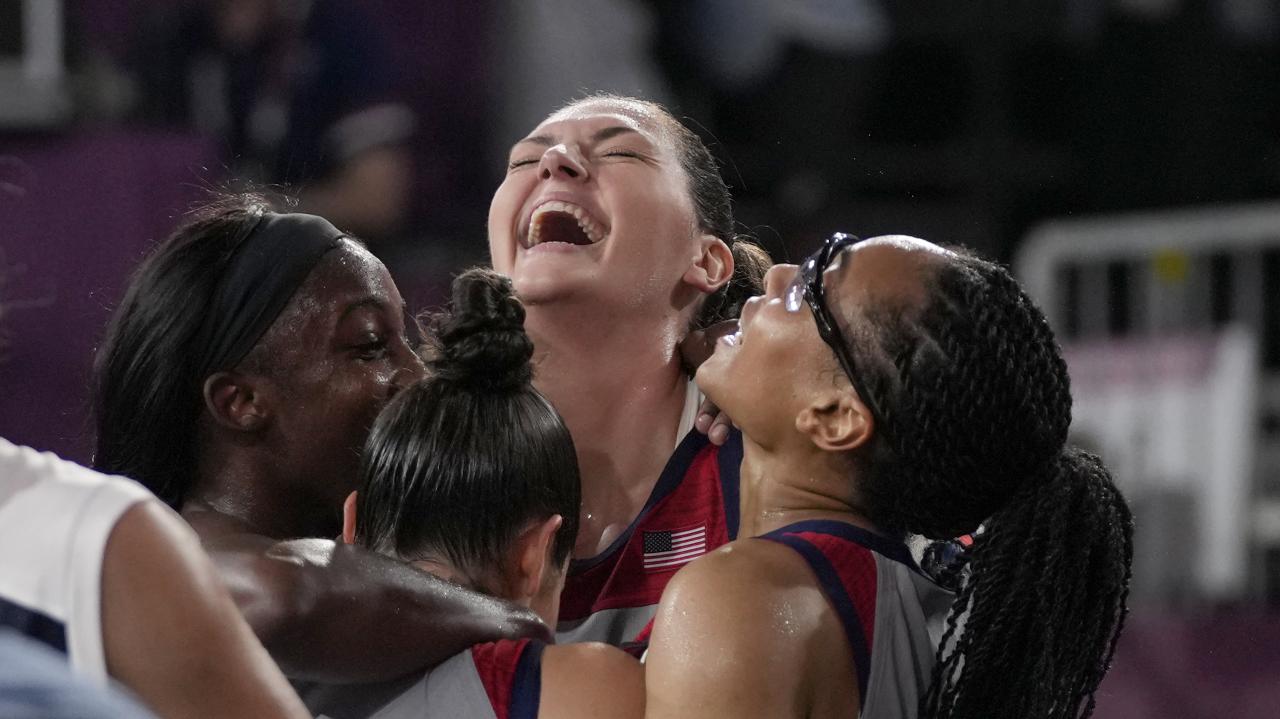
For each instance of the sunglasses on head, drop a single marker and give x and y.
(806, 288)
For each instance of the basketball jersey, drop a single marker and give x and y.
(893, 615)
(55, 519)
(692, 510)
(497, 680)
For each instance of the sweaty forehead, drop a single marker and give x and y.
(346, 271)
(595, 114)
(345, 275)
(890, 270)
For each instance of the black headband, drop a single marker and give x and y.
(267, 267)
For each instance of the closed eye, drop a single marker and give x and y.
(373, 350)
(515, 164)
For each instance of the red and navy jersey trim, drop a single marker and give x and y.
(729, 460)
(33, 624)
(878, 543)
(672, 474)
(851, 589)
(698, 487)
(511, 672)
(526, 687)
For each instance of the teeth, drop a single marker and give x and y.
(586, 222)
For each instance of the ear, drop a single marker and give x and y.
(235, 401)
(349, 519)
(836, 421)
(712, 267)
(533, 558)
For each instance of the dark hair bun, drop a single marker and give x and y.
(481, 343)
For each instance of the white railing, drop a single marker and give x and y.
(1128, 283)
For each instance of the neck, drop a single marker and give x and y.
(244, 485)
(784, 486)
(620, 387)
(488, 581)
(443, 569)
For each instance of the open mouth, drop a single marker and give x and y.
(563, 222)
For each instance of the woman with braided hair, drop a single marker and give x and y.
(889, 387)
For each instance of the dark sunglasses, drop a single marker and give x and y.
(806, 287)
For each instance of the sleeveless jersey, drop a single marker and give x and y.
(55, 519)
(693, 509)
(892, 614)
(497, 680)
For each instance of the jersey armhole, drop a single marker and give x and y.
(511, 673)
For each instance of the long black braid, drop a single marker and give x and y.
(975, 404)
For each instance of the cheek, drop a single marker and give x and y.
(660, 233)
(354, 402)
(502, 221)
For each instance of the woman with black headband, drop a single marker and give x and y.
(238, 380)
(884, 388)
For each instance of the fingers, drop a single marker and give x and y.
(707, 412)
(719, 432)
(712, 422)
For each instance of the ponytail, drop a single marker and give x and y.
(1044, 603)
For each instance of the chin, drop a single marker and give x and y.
(537, 289)
(542, 283)
(711, 381)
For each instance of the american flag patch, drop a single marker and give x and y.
(670, 548)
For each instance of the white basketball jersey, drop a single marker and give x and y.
(55, 518)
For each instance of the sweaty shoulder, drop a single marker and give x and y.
(735, 635)
(590, 679)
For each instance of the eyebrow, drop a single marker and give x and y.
(607, 133)
(370, 301)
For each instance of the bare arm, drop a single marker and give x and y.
(340, 614)
(582, 681)
(732, 638)
(172, 634)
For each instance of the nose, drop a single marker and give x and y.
(409, 368)
(560, 162)
(778, 278)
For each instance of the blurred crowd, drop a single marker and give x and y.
(969, 122)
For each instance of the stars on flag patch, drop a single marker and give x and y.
(668, 549)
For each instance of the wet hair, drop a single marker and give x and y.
(147, 397)
(975, 404)
(714, 210)
(460, 463)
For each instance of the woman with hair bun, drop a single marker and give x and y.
(889, 387)
(471, 475)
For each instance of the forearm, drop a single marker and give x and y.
(338, 614)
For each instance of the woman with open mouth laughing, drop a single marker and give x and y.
(615, 225)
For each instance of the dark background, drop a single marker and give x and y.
(962, 122)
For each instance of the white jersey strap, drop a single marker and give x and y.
(692, 400)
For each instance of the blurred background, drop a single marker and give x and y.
(1122, 155)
